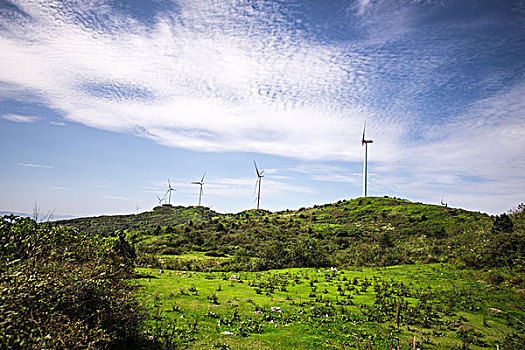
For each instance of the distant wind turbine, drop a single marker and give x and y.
(170, 189)
(442, 202)
(161, 199)
(365, 168)
(201, 182)
(258, 183)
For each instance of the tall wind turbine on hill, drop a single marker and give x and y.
(170, 189)
(258, 183)
(365, 143)
(201, 182)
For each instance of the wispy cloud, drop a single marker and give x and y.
(442, 97)
(318, 172)
(120, 198)
(229, 187)
(30, 165)
(17, 118)
(59, 188)
(246, 84)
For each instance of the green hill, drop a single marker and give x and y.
(458, 283)
(165, 215)
(372, 231)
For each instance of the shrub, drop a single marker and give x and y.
(61, 289)
(502, 223)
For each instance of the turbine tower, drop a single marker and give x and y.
(170, 189)
(258, 183)
(201, 182)
(365, 143)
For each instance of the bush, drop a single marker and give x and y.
(61, 289)
(502, 223)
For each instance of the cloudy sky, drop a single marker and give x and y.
(102, 101)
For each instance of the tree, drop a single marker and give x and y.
(502, 223)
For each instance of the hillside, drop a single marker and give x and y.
(165, 215)
(370, 231)
(329, 278)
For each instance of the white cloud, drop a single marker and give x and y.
(30, 165)
(238, 86)
(120, 198)
(479, 163)
(20, 118)
(59, 188)
(229, 76)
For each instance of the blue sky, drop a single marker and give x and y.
(102, 101)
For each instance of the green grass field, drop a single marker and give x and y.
(438, 306)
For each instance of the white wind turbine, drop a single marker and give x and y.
(443, 203)
(365, 143)
(258, 183)
(161, 199)
(170, 189)
(200, 183)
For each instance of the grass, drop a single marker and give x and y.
(326, 309)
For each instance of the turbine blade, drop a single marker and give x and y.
(202, 180)
(363, 138)
(256, 169)
(196, 183)
(169, 184)
(359, 159)
(256, 183)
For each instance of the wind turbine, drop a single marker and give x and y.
(170, 189)
(201, 182)
(161, 199)
(365, 143)
(258, 183)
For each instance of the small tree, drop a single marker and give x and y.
(502, 223)
(125, 249)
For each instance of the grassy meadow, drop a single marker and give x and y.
(431, 306)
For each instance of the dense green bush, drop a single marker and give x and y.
(502, 223)
(60, 289)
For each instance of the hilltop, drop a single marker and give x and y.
(349, 213)
(374, 231)
(160, 216)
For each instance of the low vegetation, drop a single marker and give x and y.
(161, 216)
(359, 232)
(368, 273)
(62, 289)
